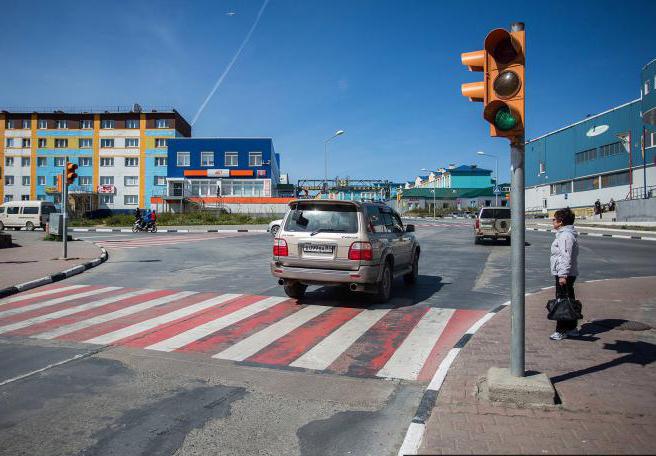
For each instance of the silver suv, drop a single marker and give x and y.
(492, 223)
(360, 245)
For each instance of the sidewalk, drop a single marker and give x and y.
(606, 381)
(32, 259)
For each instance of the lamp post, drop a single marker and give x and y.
(325, 153)
(434, 190)
(496, 176)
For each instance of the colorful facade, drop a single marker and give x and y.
(464, 176)
(121, 154)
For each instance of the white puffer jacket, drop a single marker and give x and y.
(565, 253)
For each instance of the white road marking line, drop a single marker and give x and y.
(55, 301)
(328, 350)
(440, 374)
(69, 311)
(193, 334)
(253, 344)
(408, 360)
(412, 440)
(137, 328)
(476, 326)
(38, 294)
(132, 309)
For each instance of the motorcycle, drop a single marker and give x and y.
(139, 225)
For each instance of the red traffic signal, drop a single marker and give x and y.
(71, 175)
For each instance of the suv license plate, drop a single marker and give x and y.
(318, 248)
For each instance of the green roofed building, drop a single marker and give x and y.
(447, 198)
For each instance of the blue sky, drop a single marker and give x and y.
(386, 72)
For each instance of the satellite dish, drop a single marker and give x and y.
(597, 130)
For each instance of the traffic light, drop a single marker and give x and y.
(503, 64)
(71, 175)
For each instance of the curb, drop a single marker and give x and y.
(126, 230)
(618, 236)
(4, 292)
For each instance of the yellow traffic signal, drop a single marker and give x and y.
(71, 175)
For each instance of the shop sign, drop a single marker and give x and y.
(218, 173)
(106, 188)
(261, 173)
(51, 189)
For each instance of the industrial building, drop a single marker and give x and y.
(121, 154)
(610, 155)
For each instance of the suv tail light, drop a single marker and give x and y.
(280, 247)
(361, 251)
(477, 225)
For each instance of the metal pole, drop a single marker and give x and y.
(434, 199)
(517, 348)
(325, 161)
(496, 194)
(64, 213)
(644, 164)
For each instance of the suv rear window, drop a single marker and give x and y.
(495, 214)
(30, 210)
(329, 218)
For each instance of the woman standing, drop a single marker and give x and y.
(564, 266)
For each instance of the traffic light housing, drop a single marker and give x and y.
(71, 175)
(503, 63)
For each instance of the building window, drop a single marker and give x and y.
(561, 188)
(85, 180)
(27, 124)
(204, 187)
(131, 142)
(43, 143)
(41, 197)
(25, 197)
(106, 180)
(25, 162)
(107, 142)
(162, 123)
(131, 123)
(85, 143)
(10, 124)
(85, 124)
(131, 162)
(650, 139)
(183, 159)
(27, 142)
(107, 123)
(40, 180)
(106, 199)
(9, 180)
(9, 161)
(646, 87)
(61, 143)
(543, 169)
(60, 162)
(231, 159)
(207, 159)
(85, 161)
(160, 180)
(611, 149)
(41, 161)
(161, 161)
(242, 187)
(160, 142)
(55, 179)
(586, 155)
(43, 124)
(9, 142)
(62, 124)
(131, 181)
(583, 185)
(255, 159)
(106, 162)
(131, 200)
(615, 180)
(25, 180)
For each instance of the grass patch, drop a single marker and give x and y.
(169, 219)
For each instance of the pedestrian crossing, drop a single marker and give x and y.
(152, 240)
(369, 341)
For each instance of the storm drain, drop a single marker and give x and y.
(622, 325)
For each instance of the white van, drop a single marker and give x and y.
(28, 214)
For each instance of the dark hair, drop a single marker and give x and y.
(565, 216)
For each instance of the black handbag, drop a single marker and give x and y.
(563, 309)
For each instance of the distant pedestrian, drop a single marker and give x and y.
(564, 266)
(597, 208)
(137, 214)
(611, 205)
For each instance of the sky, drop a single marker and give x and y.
(386, 72)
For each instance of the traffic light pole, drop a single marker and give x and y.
(517, 342)
(64, 213)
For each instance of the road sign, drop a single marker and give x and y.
(497, 191)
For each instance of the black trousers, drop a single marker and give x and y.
(566, 291)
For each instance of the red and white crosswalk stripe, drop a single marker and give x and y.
(155, 240)
(406, 342)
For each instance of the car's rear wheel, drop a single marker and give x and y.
(507, 241)
(477, 240)
(29, 226)
(384, 287)
(295, 290)
(411, 277)
(274, 230)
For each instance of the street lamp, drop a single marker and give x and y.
(433, 190)
(325, 153)
(496, 177)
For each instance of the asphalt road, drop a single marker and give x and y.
(119, 398)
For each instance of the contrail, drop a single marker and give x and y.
(232, 62)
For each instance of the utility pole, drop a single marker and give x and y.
(517, 227)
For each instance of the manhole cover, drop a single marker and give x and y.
(622, 325)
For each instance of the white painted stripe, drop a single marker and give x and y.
(132, 309)
(34, 283)
(621, 236)
(37, 294)
(253, 344)
(160, 320)
(440, 374)
(55, 301)
(595, 234)
(193, 334)
(69, 311)
(507, 303)
(324, 353)
(548, 288)
(409, 358)
(412, 440)
(647, 239)
(49, 366)
(476, 326)
(104, 230)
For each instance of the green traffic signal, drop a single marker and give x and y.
(504, 119)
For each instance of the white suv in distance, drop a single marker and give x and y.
(360, 245)
(492, 223)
